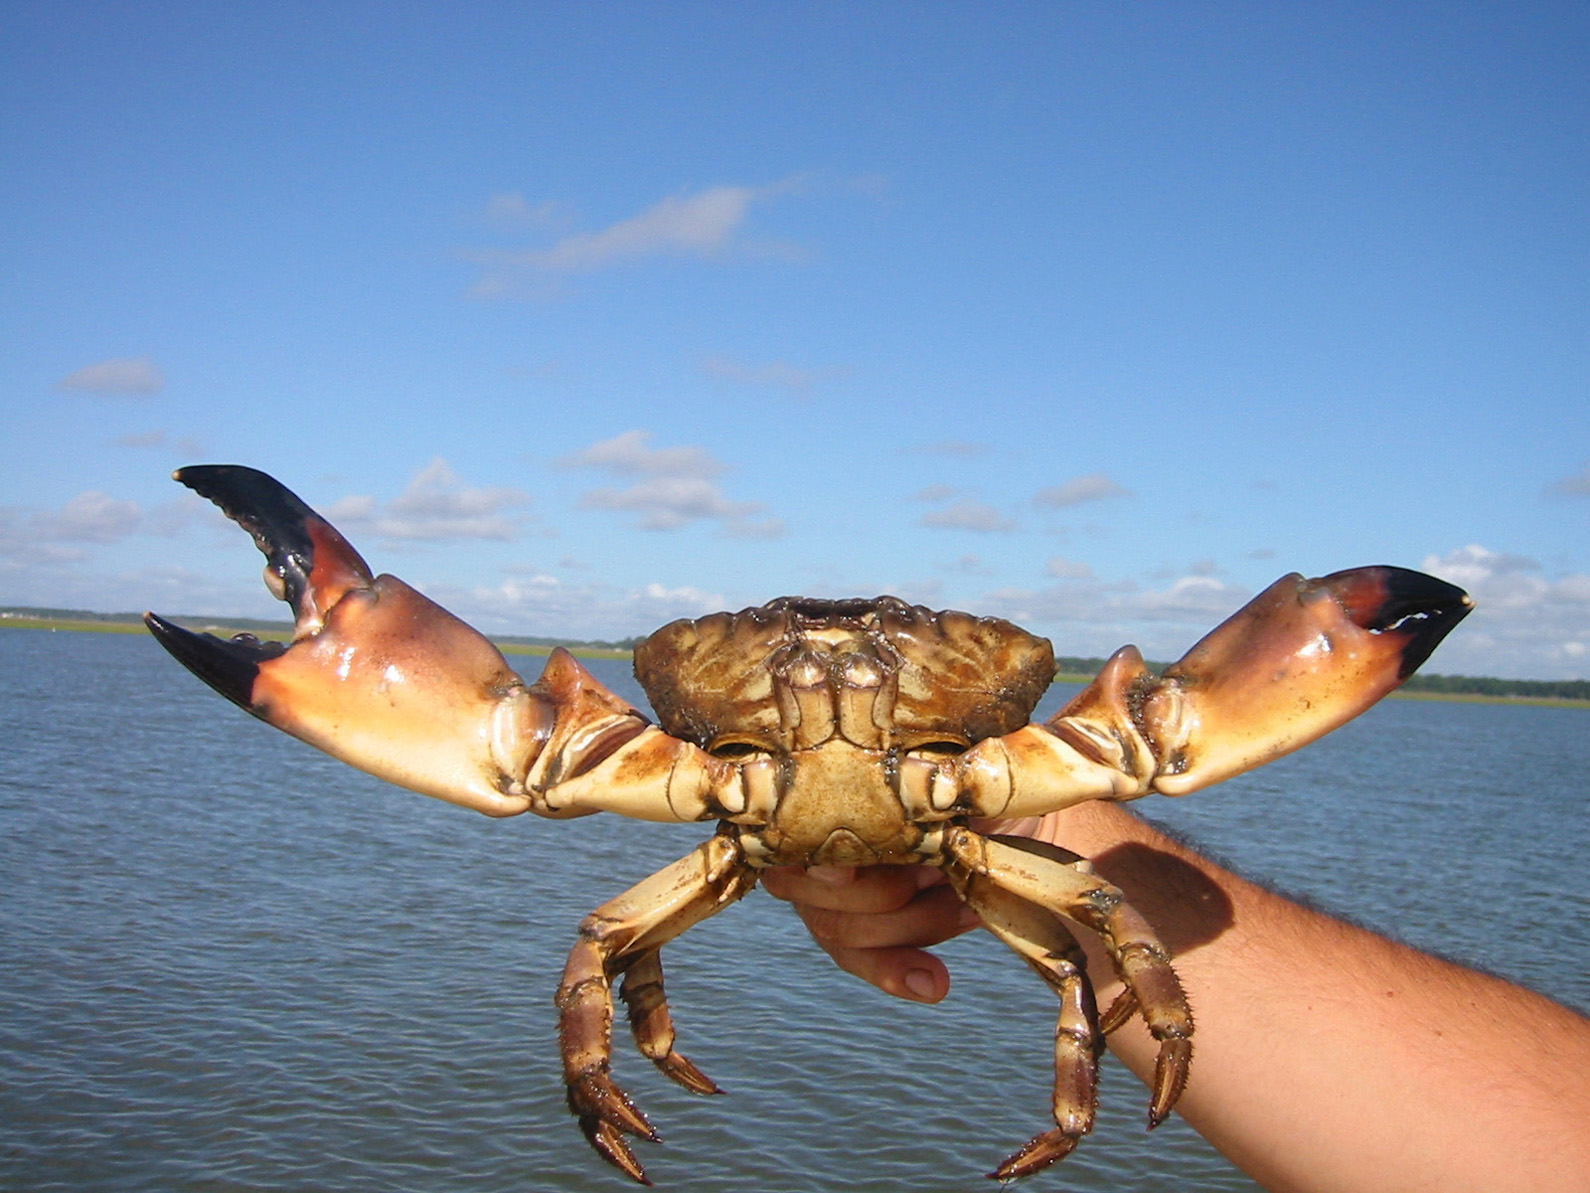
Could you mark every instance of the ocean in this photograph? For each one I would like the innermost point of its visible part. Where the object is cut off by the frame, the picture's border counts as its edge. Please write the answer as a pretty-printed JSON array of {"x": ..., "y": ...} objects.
[{"x": 231, "y": 963}]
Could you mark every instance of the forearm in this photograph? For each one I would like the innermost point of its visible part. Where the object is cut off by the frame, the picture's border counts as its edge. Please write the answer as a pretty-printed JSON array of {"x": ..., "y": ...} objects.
[{"x": 1329, "y": 1058}]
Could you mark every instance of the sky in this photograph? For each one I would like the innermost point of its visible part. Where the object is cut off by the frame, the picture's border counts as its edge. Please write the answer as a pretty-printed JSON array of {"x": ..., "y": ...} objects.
[{"x": 584, "y": 317}]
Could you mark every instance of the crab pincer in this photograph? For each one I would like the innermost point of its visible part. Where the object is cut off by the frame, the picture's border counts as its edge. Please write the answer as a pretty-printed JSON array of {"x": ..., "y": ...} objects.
[{"x": 376, "y": 674}]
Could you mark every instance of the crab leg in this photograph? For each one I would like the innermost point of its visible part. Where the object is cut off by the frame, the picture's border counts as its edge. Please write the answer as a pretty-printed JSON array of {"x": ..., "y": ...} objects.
[
  {"x": 653, "y": 1026},
  {"x": 387, "y": 680},
  {"x": 1300, "y": 659},
  {"x": 1039, "y": 874},
  {"x": 1039, "y": 938},
  {"x": 625, "y": 933}
]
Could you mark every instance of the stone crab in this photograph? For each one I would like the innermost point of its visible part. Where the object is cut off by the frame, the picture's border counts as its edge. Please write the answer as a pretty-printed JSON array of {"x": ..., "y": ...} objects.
[{"x": 812, "y": 731}]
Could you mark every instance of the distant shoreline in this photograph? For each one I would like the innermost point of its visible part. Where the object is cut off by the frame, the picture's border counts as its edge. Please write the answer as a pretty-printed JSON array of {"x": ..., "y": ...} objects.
[
  {"x": 74, "y": 621},
  {"x": 1414, "y": 694},
  {"x": 131, "y": 623}
]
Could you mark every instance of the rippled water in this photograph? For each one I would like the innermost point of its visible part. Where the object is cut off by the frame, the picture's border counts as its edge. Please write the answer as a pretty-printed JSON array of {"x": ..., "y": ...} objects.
[{"x": 231, "y": 963}]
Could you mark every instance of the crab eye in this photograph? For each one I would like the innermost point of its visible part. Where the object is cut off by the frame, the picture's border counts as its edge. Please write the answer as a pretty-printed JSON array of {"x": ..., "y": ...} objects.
[
  {"x": 940, "y": 749},
  {"x": 736, "y": 751}
]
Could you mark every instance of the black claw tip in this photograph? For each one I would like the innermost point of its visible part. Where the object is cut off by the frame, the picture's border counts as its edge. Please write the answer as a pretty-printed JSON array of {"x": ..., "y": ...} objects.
[
  {"x": 230, "y": 666},
  {"x": 1424, "y": 609},
  {"x": 1420, "y": 608},
  {"x": 277, "y": 518}
]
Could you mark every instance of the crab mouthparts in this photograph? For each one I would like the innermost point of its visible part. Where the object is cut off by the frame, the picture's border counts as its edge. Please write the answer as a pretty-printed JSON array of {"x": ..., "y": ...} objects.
[{"x": 844, "y": 847}]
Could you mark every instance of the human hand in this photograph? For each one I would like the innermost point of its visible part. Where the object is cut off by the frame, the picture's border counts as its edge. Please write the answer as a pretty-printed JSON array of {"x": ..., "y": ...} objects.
[{"x": 877, "y": 922}]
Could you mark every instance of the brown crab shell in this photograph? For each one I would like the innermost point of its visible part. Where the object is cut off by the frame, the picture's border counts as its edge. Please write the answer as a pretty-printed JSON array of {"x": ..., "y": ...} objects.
[{"x": 952, "y": 676}]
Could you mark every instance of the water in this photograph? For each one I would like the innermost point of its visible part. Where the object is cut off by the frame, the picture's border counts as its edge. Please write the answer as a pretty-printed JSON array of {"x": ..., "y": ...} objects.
[{"x": 231, "y": 963}]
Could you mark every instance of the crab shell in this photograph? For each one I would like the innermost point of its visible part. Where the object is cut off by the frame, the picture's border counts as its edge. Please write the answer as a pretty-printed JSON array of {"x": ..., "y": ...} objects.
[
  {"x": 839, "y": 712},
  {"x": 813, "y": 731}
]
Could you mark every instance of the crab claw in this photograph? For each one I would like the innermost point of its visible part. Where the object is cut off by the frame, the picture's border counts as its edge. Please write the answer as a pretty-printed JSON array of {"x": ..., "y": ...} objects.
[
  {"x": 377, "y": 674},
  {"x": 1299, "y": 660}
]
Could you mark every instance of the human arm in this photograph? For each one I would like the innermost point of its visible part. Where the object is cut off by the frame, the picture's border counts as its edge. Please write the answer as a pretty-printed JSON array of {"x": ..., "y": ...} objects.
[{"x": 1326, "y": 1057}]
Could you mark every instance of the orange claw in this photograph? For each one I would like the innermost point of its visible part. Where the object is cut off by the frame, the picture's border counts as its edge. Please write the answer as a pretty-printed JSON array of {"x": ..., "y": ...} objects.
[
  {"x": 1300, "y": 659},
  {"x": 387, "y": 680},
  {"x": 372, "y": 663}
]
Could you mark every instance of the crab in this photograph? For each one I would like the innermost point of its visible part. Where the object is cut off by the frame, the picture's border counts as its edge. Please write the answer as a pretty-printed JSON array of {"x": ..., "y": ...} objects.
[{"x": 849, "y": 732}]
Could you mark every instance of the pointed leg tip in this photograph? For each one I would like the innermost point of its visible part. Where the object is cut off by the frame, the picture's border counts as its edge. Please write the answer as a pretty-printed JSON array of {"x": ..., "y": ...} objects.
[
  {"x": 1037, "y": 1154},
  {"x": 1170, "y": 1078},
  {"x": 608, "y": 1142},
  {"x": 1120, "y": 1011},
  {"x": 683, "y": 1071}
]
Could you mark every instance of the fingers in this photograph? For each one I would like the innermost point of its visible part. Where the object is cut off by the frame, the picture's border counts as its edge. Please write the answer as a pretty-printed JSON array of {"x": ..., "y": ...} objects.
[
  {"x": 864, "y": 890},
  {"x": 876, "y": 922},
  {"x": 912, "y": 974}
]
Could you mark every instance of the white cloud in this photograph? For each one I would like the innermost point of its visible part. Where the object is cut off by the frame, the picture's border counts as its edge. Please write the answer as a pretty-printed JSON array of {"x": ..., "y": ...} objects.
[
  {"x": 704, "y": 223},
  {"x": 91, "y": 517},
  {"x": 1068, "y": 569},
  {"x": 701, "y": 224},
  {"x": 1089, "y": 616},
  {"x": 1577, "y": 485},
  {"x": 1475, "y": 567},
  {"x": 967, "y": 514},
  {"x": 742, "y": 527},
  {"x": 969, "y": 565},
  {"x": 1525, "y": 624},
  {"x": 1093, "y": 487},
  {"x": 141, "y": 439},
  {"x": 629, "y": 455},
  {"x": 123, "y": 375},
  {"x": 776, "y": 375},
  {"x": 669, "y": 502},
  {"x": 542, "y": 604},
  {"x": 956, "y": 449},
  {"x": 160, "y": 440},
  {"x": 34, "y": 540},
  {"x": 435, "y": 505},
  {"x": 673, "y": 486},
  {"x": 511, "y": 208},
  {"x": 684, "y": 600}
]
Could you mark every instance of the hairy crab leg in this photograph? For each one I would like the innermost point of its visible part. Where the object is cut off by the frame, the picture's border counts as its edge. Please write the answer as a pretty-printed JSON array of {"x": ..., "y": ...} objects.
[
  {"x": 382, "y": 677},
  {"x": 1039, "y": 938},
  {"x": 1299, "y": 660},
  {"x": 1038, "y": 873},
  {"x": 622, "y": 932}
]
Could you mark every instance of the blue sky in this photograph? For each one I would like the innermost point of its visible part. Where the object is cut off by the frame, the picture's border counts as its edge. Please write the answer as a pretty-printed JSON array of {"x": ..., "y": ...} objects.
[{"x": 583, "y": 317}]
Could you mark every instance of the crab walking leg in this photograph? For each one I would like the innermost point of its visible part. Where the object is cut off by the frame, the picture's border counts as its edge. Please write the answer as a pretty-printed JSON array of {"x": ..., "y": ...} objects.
[
  {"x": 653, "y": 1026},
  {"x": 387, "y": 680},
  {"x": 1299, "y": 660},
  {"x": 1038, "y": 937},
  {"x": 1028, "y": 870},
  {"x": 621, "y": 933}
]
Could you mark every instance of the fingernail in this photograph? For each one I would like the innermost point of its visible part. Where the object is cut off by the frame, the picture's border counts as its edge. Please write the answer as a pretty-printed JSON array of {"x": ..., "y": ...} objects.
[
  {"x": 921, "y": 985},
  {"x": 832, "y": 875}
]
